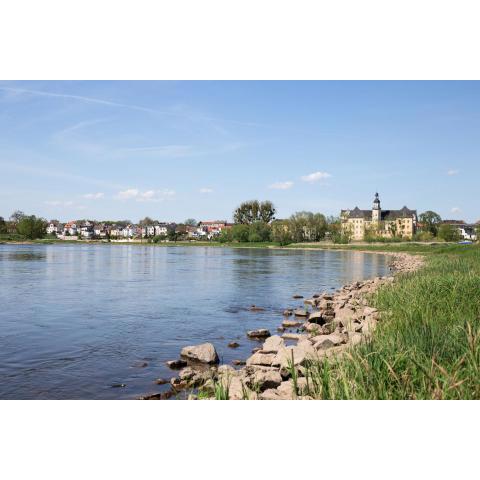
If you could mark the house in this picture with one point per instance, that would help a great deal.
(157, 229)
(54, 227)
(70, 228)
(128, 232)
(465, 230)
(85, 230)
(214, 228)
(383, 223)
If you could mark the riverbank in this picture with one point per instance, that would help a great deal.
(414, 335)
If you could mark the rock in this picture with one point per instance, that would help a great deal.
(159, 396)
(178, 383)
(161, 381)
(140, 365)
(271, 394)
(204, 353)
(300, 312)
(322, 342)
(254, 308)
(316, 295)
(310, 301)
(297, 297)
(225, 369)
(233, 345)
(119, 385)
(284, 356)
(263, 380)
(369, 310)
(294, 336)
(261, 359)
(291, 323)
(272, 344)
(355, 338)
(260, 333)
(239, 362)
(287, 313)
(281, 329)
(368, 326)
(176, 364)
(187, 373)
(317, 317)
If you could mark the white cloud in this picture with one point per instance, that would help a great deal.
(315, 177)
(456, 210)
(206, 190)
(281, 185)
(146, 196)
(58, 203)
(93, 196)
(452, 172)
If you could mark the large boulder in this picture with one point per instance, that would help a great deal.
(204, 353)
(300, 312)
(265, 379)
(260, 358)
(272, 344)
(291, 323)
(322, 342)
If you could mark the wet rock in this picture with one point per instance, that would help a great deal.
(281, 329)
(260, 333)
(300, 312)
(256, 349)
(294, 336)
(297, 297)
(238, 362)
(140, 364)
(176, 364)
(159, 396)
(233, 345)
(161, 381)
(178, 383)
(119, 385)
(291, 323)
(310, 301)
(254, 308)
(288, 313)
(204, 353)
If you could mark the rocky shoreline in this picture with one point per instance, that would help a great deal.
(327, 324)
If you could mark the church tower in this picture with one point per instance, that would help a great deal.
(376, 210)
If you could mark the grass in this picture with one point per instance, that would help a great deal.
(427, 345)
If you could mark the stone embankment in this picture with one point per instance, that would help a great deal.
(327, 325)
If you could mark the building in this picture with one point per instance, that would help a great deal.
(213, 228)
(377, 222)
(465, 230)
(54, 227)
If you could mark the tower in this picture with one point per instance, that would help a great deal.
(376, 210)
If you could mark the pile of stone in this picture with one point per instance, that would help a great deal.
(328, 325)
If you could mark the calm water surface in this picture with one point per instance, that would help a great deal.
(75, 320)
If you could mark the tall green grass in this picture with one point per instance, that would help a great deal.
(427, 345)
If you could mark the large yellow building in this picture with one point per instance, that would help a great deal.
(377, 222)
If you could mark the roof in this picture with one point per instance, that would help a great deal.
(385, 214)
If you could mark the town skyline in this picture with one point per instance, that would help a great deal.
(176, 150)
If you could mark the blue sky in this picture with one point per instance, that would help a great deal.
(174, 150)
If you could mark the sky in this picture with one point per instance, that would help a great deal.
(112, 150)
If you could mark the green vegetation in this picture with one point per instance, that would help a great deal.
(427, 345)
(430, 221)
(254, 211)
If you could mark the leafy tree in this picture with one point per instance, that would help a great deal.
(16, 216)
(32, 227)
(254, 211)
(146, 221)
(281, 232)
(240, 233)
(431, 221)
(3, 226)
(191, 222)
(259, 232)
(172, 235)
(307, 226)
(448, 233)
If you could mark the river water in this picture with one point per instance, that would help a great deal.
(76, 321)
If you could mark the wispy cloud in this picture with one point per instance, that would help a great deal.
(206, 190)
(452, 172)
(281, 185)
(315, 177)
(94, 196)
(145, 196)
(456, 210)
(58, 203)
(80, 98)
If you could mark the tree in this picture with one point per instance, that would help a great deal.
(259, 232)
(3, 226)
(307, 226)
(16, 216)
(32, 227)
(448, 233)
(146, 221)
(254, 211)
(281, 232)
(190, 222)
(431, 221)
